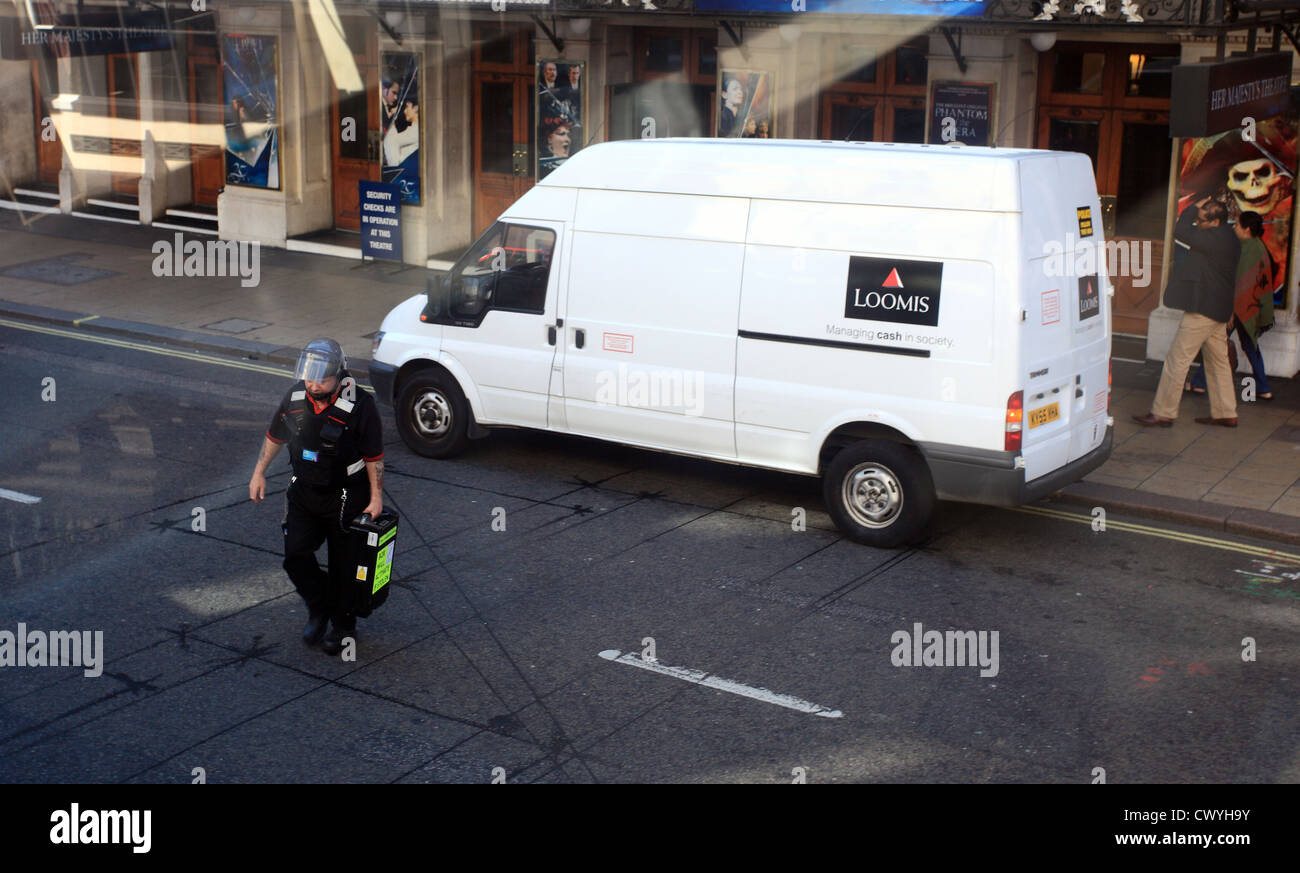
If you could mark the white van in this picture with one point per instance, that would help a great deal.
(890, 317)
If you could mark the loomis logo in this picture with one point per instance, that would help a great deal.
(903, 292)
(1089, 299)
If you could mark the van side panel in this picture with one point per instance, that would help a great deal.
(1066, 295)
(806, 364)
(654, 286)
(884, 174)
(544, 202)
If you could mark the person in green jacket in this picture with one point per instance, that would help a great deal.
(1252, 308)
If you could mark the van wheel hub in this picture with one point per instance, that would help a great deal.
(432, 414)
(873, 495)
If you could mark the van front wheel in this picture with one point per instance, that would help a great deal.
(432, 415)
(879, 493)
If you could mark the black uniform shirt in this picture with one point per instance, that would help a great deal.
(369, 430)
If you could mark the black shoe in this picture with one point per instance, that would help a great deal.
(317, 622)
(333, 642)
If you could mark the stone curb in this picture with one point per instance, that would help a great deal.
(170, 336)
(1195, 513)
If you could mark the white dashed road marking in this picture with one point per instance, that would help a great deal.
(18, 496)
(699, 677)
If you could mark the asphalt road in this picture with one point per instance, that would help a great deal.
(1119, 649)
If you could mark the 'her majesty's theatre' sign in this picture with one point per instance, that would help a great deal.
(85, 33)
(1211, 98)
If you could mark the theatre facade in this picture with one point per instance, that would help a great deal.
(402, 129)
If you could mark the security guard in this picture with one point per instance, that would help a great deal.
(336, 447)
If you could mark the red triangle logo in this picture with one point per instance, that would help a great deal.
(893, 281)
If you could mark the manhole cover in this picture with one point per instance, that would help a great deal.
(57, 271)
(235, 325)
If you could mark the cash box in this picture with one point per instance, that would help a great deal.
(375, 541)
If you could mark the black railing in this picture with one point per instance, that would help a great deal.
(1103, 12)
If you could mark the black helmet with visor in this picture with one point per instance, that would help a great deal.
(321, 360)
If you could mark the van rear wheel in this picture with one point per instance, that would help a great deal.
(879, 493)
(432, 415)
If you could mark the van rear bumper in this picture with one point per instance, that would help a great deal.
(991, 478)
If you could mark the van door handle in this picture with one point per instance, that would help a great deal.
(550, 334)
(579, 337)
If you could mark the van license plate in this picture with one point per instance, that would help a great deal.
(1044, 414)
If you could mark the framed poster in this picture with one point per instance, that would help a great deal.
(962, 112)
(250, 72)
(745, 109)
(399, 111)
(559, 112)
(1249, 175)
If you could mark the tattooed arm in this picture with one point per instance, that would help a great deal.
(257, 485)
(375, 470)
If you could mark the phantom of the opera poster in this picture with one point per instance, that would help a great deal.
(249, 65)
(399, 95)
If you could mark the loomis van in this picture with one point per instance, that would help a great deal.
(895, 318)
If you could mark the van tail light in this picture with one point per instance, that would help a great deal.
(1015, 421)
(1110, 380)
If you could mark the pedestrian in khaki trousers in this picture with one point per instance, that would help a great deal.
(1203, 287)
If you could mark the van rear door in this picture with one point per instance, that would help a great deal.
(1065, 348)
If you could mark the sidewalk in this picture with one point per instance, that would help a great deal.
(104, 272)
(98, 277)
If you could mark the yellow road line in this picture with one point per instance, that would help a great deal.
(156, 350)
(87, 318)
(141, 347)
(1147, 530)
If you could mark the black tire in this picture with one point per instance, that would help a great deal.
(879, 493)
(432, 414)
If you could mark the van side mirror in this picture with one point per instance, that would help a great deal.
(474, 293)
(436, 308)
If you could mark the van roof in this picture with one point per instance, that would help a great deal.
(893, 174)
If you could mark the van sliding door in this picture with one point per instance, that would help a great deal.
(650, 328)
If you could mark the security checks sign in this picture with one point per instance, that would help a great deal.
(381, 220)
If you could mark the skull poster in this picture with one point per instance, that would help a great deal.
(1249, 171)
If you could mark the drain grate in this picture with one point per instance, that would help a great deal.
(62, 270)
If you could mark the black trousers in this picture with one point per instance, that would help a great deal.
(319, 515)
